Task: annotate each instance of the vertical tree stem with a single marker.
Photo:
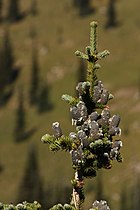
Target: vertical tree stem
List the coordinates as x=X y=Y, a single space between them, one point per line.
x=77 y=194
x=91 y=76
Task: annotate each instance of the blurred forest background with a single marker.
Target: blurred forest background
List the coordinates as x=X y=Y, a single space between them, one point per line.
x=38 y=39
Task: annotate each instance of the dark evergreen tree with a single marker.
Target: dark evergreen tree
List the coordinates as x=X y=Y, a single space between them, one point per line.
x=34 y=83
x=1 y=168
x=44 y=103
x=3 y=79
x=33 y=7
x=8 y=71
x=84 y=7
x=8 y=58
x=19 y=132
x=57 y=193
x=39 y=90
x=13 y=14
x=31 y=187
x=62 y=194
x=1 y=5
x=111 y=14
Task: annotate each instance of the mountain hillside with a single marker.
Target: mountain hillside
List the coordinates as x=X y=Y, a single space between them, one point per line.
x=42 y=42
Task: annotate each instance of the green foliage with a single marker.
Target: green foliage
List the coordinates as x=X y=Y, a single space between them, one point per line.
x=56 y=144
x=61 y=207
x=116 y=70
x=92 y=146
x=21 y=206
x=69 y=99
x=92 y=56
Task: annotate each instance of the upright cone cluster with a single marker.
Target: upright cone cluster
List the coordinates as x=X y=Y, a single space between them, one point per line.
x=93 y=144
x=96 y=141
x=102 y=205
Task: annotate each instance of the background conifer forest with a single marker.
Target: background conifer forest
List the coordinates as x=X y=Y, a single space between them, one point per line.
x=38 y=39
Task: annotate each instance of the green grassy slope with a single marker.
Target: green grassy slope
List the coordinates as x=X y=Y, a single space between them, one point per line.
x=58 y=66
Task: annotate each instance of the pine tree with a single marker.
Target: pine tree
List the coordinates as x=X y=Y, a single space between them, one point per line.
x=31 y=187
x=84 y=7
x=20 y=132
x=1 y=5
x=57 y=193
x=7 y=70
x=13 y=11
x=3 y=79
x=44 y=103
x=111 y=14
x=34 y=83
x=8 y=58
x=1 y=168
x=92 y=145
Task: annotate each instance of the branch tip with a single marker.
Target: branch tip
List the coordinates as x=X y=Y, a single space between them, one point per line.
x=93 y=24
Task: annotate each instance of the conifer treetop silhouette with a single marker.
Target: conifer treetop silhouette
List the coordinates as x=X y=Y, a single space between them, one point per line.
x=14 y=13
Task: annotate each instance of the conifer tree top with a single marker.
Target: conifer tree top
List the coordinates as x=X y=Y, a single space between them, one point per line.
x=95 y=143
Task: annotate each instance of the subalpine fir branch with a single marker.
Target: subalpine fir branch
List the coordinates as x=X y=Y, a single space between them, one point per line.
x=21 y=206
x=58 y=143
x=96 y=142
